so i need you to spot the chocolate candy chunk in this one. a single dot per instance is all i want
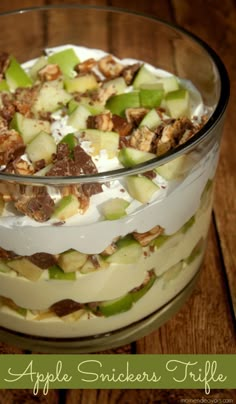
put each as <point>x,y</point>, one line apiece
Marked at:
<point>42,260</point>
<point>84,161</point>
<point>66,306</point>
<point>39,207</point>
<point>92,188</point>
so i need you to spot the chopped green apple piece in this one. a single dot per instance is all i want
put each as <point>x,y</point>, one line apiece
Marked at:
<point>141,188</point>
<point>3,85</point>
<point>101,140</point>
<point>28,127</point>
<point>66,60</point>
<point>143,77</point>
<point>51,97</point>
<point>4,267</point>
<point>152,119</point>
<point>114,209</point>
<point>68,206</point>
<point>130,157</point>
<point>39,64</point>
<point>169,83</point>
<point>152,86</point>
<point>206,195</point>
<point>128,251</point>
<point>115,306</point>
<point>160,240</point>
<point>188,224</point>
<point>177,103</point>
<point>196,251</point>
<point>72,105</point>
<point>174,168</point>
<point>91,266</point>
<point>78,118</point>
<point>16,76</point>
<point>55,272</point>
<point>118,84</point>
<point>43,146</point>
<point>150,98</point>
<point>26,268</point>
<point>72,260</point>
<point>172,272</point>
<point>71,141</point>
<point>117,104</point>
<point>137,293</point>
<point>81,83</point>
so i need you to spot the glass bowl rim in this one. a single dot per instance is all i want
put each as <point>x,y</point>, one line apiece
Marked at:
<point>203,133</point>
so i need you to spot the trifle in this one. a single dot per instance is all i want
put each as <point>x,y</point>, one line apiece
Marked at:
<point>105,193</point>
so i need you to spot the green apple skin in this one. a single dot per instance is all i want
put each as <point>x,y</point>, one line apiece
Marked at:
<point>71,141</point>
<point>188,224</point>
<point>117,104</point>
<point>195,252</point>
<point>66,60</point>
<point>68,206</point>
<point>27,127</point>
<point>116,306</point>
<point>81,83</point>
<point>152,120</point>
<point>160,240</point>
<point>16,76</point>
<point>150,98</point>
<point>137,294</point>
<point>4,86</point>
<point>130,157</point>
<point>56,273</point>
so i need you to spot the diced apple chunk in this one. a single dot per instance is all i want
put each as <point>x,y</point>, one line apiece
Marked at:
<point>55,272</point>
<point>43,146</point>
<point>26,268</point>
<point>141,188</point>
<point>152,119</point>
<point>28,127</point>
<point>68,206</point>
<point>100,140</point>
<point>115,306</point>
<point>16,76</point>
<point>118,103</point>
<point>129,251</point>
<point>51,97</point>
<point>114,209</point>
<point>38,65</point>
<point>81,83</point>
<point>177,103</point>
<point>118,84</point>
<point>78,118</point>
<point>174,168</point>
<point>72,260</point>
<point>4,267</point>
<point>130,157</point>
<point>66,60</point>
<point>150,98</point>
<point>144,76</point>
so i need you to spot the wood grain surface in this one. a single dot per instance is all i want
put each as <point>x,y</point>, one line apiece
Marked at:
<point>206,324</point>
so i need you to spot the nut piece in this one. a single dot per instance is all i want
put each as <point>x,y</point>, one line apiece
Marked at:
<point>109,250</point>
<point>129,72</point>
<point>145,238</point>
<point>10,142</point>
<point>135,115</point>
<point>121,125</point>
<point>22,167</point>
<point>86,66</point>
<point>101,121</point>
<point>49,72</point>
<point>110,67</point>
<point>102,95</point>
<point>142,139</point>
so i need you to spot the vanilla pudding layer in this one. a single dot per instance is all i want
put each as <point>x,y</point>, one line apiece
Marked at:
<point>173,270</point>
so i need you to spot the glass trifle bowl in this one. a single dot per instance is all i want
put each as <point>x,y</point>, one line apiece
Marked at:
<point>110,133</point>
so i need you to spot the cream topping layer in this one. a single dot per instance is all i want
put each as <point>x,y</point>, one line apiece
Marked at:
<point>108,283</point>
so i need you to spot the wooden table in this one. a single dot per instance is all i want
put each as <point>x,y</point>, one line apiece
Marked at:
<point>206,324</point>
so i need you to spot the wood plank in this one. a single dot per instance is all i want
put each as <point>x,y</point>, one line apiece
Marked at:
<point>223,40</point>
<point>29,31</point>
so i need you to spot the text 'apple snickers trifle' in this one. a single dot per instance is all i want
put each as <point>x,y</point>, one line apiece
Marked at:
<point>84,258</point>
